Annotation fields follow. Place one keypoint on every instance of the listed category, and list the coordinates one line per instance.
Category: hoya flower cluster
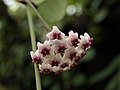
(60, 52)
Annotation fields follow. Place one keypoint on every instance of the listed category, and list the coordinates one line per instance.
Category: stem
(33, 42)
(38, 14)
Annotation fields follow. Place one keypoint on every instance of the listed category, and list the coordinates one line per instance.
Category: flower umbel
(60, 53)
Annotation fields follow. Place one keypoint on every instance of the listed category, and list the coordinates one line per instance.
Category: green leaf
(52, 10)
(37, 1)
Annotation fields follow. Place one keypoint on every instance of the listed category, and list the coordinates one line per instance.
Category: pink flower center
(86, 45)
(55, 63)
(83, 54)
(58, 72)
(45, 51)
(77, 59)
(46, 71)
(61, 49)
(75, 42)
(64, 65)
(73, 55)
(37, 60)
(57, 36)
(72, 65)
(91, 40)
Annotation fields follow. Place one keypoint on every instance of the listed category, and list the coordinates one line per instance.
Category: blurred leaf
(105, 72)
(114, 84)
(19, 57)
(66, 75)
(71, 1)
(8, 88)
(78, 79)
(79, 8)
(90, 55)
(74, 1)
(53, 10)
(100, 15)
(46, 81)
(95, 33)
(0, 25)
(95, 5)
(56, 87)
(38, 1)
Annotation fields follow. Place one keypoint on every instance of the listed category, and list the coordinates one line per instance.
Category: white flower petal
(86, 35)
(33, 55)
(55, 29)
(68, 51)
(72, 34)
(56, 69)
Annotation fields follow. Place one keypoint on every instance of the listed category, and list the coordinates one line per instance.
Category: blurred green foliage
(98, 70)
(53, 10)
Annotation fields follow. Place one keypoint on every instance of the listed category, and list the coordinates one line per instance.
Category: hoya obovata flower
(60, 53)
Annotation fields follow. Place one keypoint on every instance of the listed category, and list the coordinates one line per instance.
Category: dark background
(99, 69)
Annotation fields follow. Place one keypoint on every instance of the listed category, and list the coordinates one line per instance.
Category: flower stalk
(38, 14)
(33, 42)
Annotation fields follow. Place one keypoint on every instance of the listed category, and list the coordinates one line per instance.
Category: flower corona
(60, 53)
